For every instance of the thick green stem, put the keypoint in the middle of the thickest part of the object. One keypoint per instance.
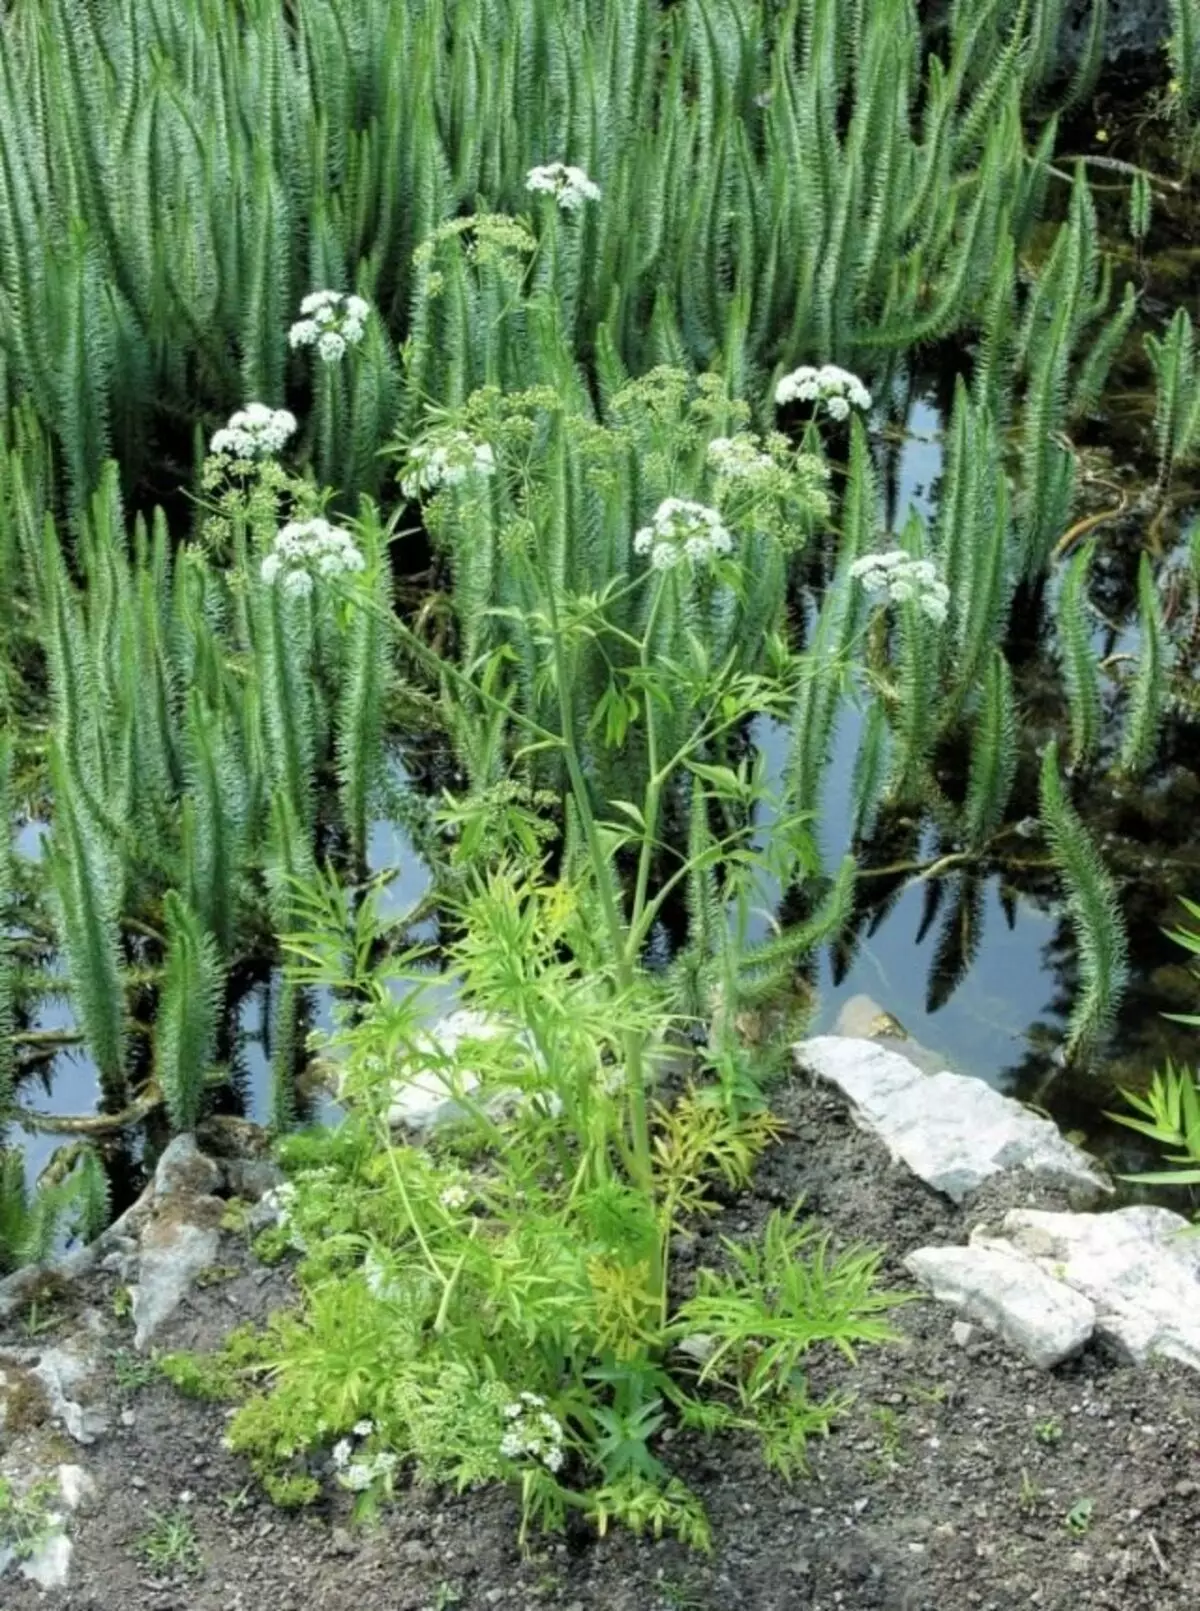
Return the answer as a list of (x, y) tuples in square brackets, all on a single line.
[(654, 782)]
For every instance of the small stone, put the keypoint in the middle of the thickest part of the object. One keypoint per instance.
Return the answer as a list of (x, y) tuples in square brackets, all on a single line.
[(183, 1170), (137, 1482), (174, 1251), (962, 1331), (76, 1486), (952, 1131), (128, 1418), (1138, 1266), (1043, 1319), (343, 1542), (49, 1565)]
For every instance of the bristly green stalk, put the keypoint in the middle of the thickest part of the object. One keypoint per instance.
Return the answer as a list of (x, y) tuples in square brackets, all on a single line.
[(192, 991), (1081, 673), (1147, 699), (85, 889), (1177, 401), (286, 1048), (993, 755), (1092, 902), (7, 955)]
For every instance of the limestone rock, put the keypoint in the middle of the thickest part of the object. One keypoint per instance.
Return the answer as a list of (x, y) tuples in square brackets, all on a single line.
[(252, 1178), (441, 1091), (175, 1248), (69, 1380), (1041, 1318), (431, 1096), (49, 1566), (184, 1171), (1139, 1266), (49, 1563), (952, 1131)]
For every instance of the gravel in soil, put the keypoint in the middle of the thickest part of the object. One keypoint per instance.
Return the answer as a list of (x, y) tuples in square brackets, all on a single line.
[(959, 1479)]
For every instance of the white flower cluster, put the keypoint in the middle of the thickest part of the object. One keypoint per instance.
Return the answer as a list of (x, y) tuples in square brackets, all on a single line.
[(305, 548), (331, 321), (533, 1433), (446, 462), (682, 530), (455, 1197), (358, 1474), (897, 578), (254, 432), (736, 457), (838, 389), (569, 186)]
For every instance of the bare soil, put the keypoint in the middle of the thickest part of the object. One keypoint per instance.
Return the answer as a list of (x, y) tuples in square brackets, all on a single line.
[(934, 1493)]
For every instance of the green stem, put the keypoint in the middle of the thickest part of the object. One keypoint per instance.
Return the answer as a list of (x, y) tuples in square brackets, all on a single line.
[(653, 795)]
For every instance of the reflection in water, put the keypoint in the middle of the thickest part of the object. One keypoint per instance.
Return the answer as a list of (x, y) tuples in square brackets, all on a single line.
[(982, 971)]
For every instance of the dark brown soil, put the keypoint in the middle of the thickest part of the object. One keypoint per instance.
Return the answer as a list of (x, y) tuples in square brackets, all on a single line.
[(935, 1492)]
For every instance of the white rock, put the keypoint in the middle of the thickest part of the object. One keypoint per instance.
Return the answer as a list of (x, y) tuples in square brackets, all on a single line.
[(49, 1566), (66, 1376), (1139, 1266), (1043, 1319), (952, 1131), (76, 1487), (962, 1331), (444, 1090), (174, 1251), (184, 1171)]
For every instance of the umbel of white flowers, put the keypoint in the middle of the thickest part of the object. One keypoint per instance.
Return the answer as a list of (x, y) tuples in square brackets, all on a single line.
[(533, 1433), (359, 1473), (254, 432), (331, 321), (306, 549), (569, 186), (736, 457), (897, 578), (837, 389), (446, 461), (682, 530)]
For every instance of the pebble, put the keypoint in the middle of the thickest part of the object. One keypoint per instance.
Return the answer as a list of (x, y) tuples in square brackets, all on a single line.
[(342, 1542), (962, 1331), (137, 1482), (127, 1418)]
